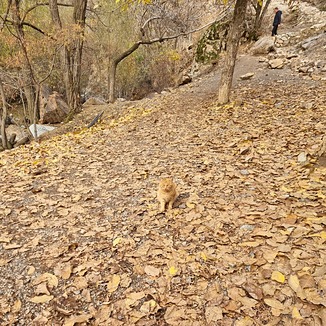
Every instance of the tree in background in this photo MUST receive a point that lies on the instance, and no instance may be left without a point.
(36, 48)
(73, 41)
(159, 21)
(237, 27)
(260, 7)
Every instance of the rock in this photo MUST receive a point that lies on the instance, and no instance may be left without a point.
(312, 42)
(291, 55)
(276, 63)
(247, 227)
(40, 129)
(95, 101)
(54, 109)
(263, 45)
(183, 79)
(302, 157)
(308, 106)
(18, 131)
(22, 141)
(247, 76)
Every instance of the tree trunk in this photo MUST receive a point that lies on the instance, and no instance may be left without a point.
(261, 16)
(74, 71)
(114, 65)
(28, 78)
(72, 53)
(111, 82)
(232, 50)
(4, 139)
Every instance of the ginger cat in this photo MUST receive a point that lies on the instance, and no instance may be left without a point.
(167, 193)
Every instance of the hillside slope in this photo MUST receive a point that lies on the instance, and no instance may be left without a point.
(82, 241)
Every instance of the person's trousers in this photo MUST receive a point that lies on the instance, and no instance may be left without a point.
(274, 31)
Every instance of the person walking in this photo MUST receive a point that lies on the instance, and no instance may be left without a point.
(277, 20)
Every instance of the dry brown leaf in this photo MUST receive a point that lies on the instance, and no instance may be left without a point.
(50, 279)
(65, 272)
(30, 270)
(246, 321)
(71, 321)
(42, 289)
(4, 262)
(16, 306)
(314, 297)
(12, 246)
(149, 307)
(152, 271)
(213, 314)
(274, 303)
(80, 282)
(295, 286)
(5, 239)
(42, 298)
(113, 283)
(173, 315)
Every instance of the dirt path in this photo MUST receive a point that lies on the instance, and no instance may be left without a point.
(82, 241)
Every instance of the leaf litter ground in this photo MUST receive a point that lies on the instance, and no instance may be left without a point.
(82, 241)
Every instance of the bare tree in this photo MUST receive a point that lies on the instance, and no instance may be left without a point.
(260, 7)
(232, 50)
(72, 52)
(161, 21)
(4, 140)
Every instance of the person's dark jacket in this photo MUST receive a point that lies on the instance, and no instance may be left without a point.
(277, 18)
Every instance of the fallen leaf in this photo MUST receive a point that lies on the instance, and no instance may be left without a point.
(296, 313)
(113, 283)
(213, 314)
(16, 306)
(295, 286)
(42, 298)
(278, 277)
(274, 303)
(71, 321)
(173, 270)
(152, 271)
(50, 279)
(116, 241)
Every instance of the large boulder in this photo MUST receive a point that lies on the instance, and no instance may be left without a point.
(53, 109)
(40, 129)
(263, 46)
(14, 129)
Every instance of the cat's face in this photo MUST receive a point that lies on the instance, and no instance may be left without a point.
(166, 184)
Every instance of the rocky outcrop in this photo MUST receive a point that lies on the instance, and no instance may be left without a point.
(53, 108)
(264, 45)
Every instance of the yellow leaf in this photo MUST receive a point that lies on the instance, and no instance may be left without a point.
(322, 234)
(42, 298)
(173, 271)
(190, 205)
(116, 241)
(114, 283)
(278, 277)
(296, 313)
(285, 189)
(203, 256)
